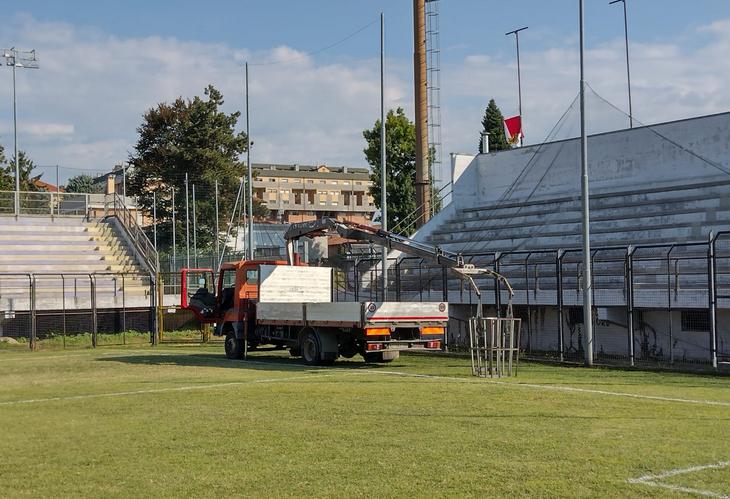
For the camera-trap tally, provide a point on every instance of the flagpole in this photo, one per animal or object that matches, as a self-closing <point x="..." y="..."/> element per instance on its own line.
<point x="519" y="76"/>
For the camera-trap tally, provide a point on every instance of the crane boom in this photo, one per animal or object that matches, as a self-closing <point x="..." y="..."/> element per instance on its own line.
<point x="360" y="232"/>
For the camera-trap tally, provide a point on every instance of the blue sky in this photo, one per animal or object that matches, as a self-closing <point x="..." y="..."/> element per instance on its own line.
<point x="103" y="63"/>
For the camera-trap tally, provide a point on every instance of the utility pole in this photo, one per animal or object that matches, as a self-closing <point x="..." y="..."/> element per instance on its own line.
<point x="519" y="78"/>
<point x="250" y="176"/>
<point x="585" y="198"/>
<point x="187" y="221"/>
<point x="18" y="59"/>
<point x="383" y="162"/>
<point x="423" y="177"/>
<point x="217" y="230"/>
<point x="174" y="229"/>
<point x="195" y="232"/>
<point x="628" y="66"/>
<point x="154" y="216"/>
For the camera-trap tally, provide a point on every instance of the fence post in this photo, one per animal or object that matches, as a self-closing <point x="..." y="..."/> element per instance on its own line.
<point x="92" y="289"/>
<point x="527" y="302"/>
<point x="63" y="304"/>
<point x="559" y="288"/>
<point x="124" y="310"/>
<point x="712" y="302"/>
<point x="497" y="288"/>
<point x="160" y="296"/>
<point x="445" y="284"/>
<point x="33" y="324"/>
<point x="397" y="280"/>
<point x="630" y="301"/>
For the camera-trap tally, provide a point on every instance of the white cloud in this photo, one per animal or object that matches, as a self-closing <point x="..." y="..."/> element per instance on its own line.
<point x="81" y="109"/>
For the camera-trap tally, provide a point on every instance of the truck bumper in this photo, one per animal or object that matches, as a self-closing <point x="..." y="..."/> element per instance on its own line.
<point x="400" y="345"/>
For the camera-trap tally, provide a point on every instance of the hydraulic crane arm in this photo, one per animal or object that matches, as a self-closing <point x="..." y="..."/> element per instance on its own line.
<point x="359" y="232"/>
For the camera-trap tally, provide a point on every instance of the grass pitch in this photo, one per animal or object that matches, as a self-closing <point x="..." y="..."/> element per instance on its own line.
<point x="186" y="422"/>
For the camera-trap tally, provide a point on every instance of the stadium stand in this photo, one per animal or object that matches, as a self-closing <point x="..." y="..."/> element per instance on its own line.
<point x="658" y="193"/>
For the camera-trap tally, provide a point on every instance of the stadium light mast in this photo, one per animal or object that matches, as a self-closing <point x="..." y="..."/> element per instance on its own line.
<point x="383" y="166"/>
<point x="250" y="178"/>
<point x="519" y="78"/>
<point x="628" y="66"/>
<point x="585" y="198"/>
<point x="26" y="59"/>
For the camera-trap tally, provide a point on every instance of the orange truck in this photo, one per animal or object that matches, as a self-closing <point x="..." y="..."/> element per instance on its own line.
<point x="289" y="305"/>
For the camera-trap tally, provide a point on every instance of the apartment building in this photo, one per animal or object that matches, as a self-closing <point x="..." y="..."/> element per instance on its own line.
<point x="297" y="193"/>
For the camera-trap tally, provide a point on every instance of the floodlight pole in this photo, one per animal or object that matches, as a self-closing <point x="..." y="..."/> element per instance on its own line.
<point x="383" y="161"/>
<point x="187" y="221"/>
<point x="174" y="228"/>
<point x="15" y="141"/>
<point x="28" y="61"/>
<point x="585" y="198"/>
<point x="250" y="177"/>
<point x="519" y="77"/>
<point x="628" y="66"/>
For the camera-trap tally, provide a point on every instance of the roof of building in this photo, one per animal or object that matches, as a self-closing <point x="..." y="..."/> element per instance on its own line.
<point x="320" y="171"/>
<point x="45" y="186"/>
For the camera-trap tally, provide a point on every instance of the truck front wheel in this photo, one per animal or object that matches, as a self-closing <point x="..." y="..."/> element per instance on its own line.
<point x="233" y="346"/>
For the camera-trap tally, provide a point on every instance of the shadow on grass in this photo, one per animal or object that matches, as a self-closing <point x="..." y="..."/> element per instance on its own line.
<point x="256" y="361"/>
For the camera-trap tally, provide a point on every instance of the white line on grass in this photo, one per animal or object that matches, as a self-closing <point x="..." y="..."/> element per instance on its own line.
<point x="163" y="390"/>
<point x="655" y="480"/>
<point x="560" y="388"/>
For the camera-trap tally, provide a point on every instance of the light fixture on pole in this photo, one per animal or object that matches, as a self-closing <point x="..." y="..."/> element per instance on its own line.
<point x="628" y="66"/>
<point x="519" y="77"/>
<point x="585" y="199"/>
<point x="25" y="59"/>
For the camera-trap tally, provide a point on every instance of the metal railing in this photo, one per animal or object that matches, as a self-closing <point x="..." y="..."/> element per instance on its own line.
<point x="128" y="221"/>
<point x="653" y="304"/>
<point x="44" y="203"/>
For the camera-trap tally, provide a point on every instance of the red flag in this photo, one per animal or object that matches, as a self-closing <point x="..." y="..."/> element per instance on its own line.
<point x="513" y="127"/>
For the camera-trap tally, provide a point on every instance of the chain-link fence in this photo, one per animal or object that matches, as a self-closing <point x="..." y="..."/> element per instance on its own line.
<point x="657" y="305"/>
<point x="77" y="310"/>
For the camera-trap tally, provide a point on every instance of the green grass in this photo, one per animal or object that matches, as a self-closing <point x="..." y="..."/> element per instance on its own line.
<point x="184" y="421"/>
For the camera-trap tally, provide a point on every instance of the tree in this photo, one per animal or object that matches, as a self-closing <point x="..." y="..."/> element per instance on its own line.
<point x="400" y="152"/>
<point x="493" y="124"/>
<point x="83" y="184"/>
<point x="7" y="172"/>
<point x="193" y="137"/>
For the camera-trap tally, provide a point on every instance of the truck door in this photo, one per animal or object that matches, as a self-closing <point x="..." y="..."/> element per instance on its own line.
<point x="250" y="287"/>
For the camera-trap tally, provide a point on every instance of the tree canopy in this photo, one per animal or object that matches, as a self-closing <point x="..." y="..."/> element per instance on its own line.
<point x="7" y="172"/>
<point x="84" y="184"/>
<point x="193" y="137"/>
<point x="400" y="155"/>
<point x="493" y="124"/>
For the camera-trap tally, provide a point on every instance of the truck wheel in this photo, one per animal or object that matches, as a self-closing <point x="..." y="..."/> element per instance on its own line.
<point x="233" y="346"/>
<point x="311" y="350"/>
<point x="380" y="357"/>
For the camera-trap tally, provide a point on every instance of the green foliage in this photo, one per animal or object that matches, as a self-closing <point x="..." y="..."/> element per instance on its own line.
<point x="83" y="184"/>
<point x="493" y="124"/>
<point x="400" y="152"/>
<point x="193" y="137"/>
<point x="7" y="172"/>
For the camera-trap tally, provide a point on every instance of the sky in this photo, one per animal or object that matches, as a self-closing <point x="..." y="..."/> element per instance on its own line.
<point x="314" y="70"/>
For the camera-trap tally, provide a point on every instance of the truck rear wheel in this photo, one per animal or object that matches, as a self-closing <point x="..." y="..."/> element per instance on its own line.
<point x="233" y="346"/>
<point x="311" y="349"/>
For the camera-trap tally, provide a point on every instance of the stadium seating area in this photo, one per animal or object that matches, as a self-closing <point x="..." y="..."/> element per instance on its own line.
<point x="74" y="247"/>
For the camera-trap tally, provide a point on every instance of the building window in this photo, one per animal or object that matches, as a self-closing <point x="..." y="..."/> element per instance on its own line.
<point x="358" y="183"/>
<point x="310" y="181"/>
<point x="346" y="182"/>
<point x="334" y="182"/>
<point x="284" y="180"/>
<point x="274" y="180"/>
<point x="696" y="321"/>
